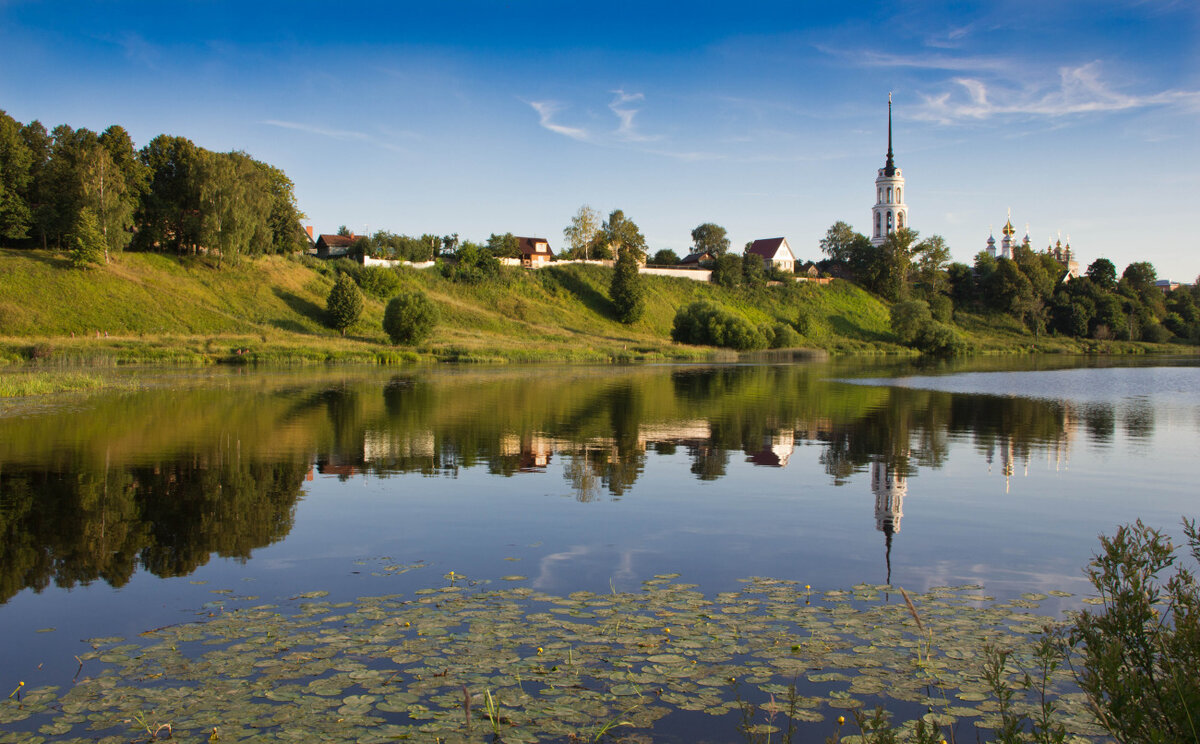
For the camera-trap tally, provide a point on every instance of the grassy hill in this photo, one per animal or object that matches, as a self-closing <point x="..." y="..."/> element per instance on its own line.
<point x="153" y="308"/>
<point x="150" y="307"/>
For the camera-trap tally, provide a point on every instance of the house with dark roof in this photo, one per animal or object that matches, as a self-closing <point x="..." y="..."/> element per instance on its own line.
<point x="535" y="252"/>
<point x="692" y="260"/>
<point x="774" y="253"/>
<point x="334" y="246"/>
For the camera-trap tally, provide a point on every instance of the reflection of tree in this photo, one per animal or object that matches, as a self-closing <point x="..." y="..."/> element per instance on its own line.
<point x="76" y="525"/>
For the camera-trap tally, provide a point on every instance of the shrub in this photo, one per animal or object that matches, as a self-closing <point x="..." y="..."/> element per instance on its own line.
<point x="784" y="337"/>
<point x="344" y="304"/>
<point x="378" y="281"/>
<point x="727" y="270"/>
<point x="703" y="323"/>
<point x="1156" y="333"/>
<point x="474" y="265"/>
<point x="941" y="307"/>
<point x="628" y="295"/>
<point x="940" y="339"/>
<point x="87" y="241"/>
<point x="1141" y="653"/>
<point x="665" y="257"/>
<point x="409" y="317"/>
<point x="908" y="318"/>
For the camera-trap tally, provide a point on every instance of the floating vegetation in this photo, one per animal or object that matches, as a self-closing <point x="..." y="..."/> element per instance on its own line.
<point x="462" y="662"/>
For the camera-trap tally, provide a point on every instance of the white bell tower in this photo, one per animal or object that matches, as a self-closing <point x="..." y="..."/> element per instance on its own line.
<point x="890" y="213"/>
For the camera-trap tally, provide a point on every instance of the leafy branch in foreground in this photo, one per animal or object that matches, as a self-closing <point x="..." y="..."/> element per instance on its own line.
<point x="1141" y="653"/>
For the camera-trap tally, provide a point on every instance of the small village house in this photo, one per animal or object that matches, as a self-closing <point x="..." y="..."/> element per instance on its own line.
<point x="334" y="246"/>
<point x="535" y="252"/>
<point x="774" y="253"/>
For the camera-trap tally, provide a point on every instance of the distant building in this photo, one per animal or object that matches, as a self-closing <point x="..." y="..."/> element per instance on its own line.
<point x="697" y="259"/>
<point x="1166" y="285"/>
<point x="890" y="213"/>
<point x="1060" y="252"/>
<point x="774" y="253"/>
<point x="535" y="252"/>
<point x="334" y="246"/>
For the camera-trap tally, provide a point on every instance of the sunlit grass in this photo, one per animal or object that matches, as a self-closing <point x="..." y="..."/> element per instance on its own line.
<point x="48" y="383"/>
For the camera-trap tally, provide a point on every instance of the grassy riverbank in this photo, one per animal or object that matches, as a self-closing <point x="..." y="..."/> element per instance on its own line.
<point x="151" y="308"/>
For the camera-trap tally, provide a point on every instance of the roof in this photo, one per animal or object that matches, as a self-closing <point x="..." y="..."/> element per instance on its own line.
<point x="529" y="246"/>
<point x="767" y="247"/>
<point x="692" y="258"/>
<point x="337" y="241"/>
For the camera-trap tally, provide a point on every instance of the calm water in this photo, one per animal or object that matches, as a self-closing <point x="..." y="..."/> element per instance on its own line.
<point x="126" y="511"/>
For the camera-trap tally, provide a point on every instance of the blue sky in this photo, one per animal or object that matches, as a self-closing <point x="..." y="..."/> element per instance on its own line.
<point x="767" y="118"/>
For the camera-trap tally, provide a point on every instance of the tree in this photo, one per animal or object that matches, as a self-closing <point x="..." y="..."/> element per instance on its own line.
<point x="665" y="257"/>
<point x="933" y="256"/>
<point x="504" y="246"/>
<point x="908" y="318"/>
<point x="170" y="215"/>
<point x="710" y="238"/>
<point x="344" y="304"/>
<point x="753" y="272"/>
<point x="1140" y="275"/>
<point x="86" y="240"/>
<point x="16" y="162"/>
<point x="841" y="241"/>
<point x="1103" y="274"/>
<point x="626" y="288"/>
<point x="620" y="233"/>
<point x="581" y="233"/>
<point x="409" y="317"/>
<point x="727" y="271"/>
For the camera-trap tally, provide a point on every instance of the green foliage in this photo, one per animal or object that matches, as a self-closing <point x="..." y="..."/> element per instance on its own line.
<point x="841" y="242"/>
<point x="378" y="281"/>
<point x="710" y="238"/>
<point x="504" y="246"/>
<point x="908" y="318"/>
<point x="581" y="234"/>
<point x="1103" y="273"/>
<point x="16" y="162"/>
<point x="753" y="272"/>
<point x="410" y="317"/>
<point x="86" y="240"/>
<point x="626" y="291"/>
<point x="619" y="233"/>
<point x="704" y="323"/>
<point x="665" y="257"/>
<point x="727" y="271"/>
<point x="1141" y="653"/>
<point x="344" y="304"/>
<point x="783" y="336"/>
<point x="473" y="265"/>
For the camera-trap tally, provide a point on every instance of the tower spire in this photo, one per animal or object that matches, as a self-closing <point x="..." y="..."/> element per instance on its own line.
<point x="889" y="168"/>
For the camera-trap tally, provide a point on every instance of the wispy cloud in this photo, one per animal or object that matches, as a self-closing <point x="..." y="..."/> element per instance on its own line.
<point x="546" y="111"/>
<point x="625" y="131"/>
<point x="343" y="135"/>
<point x="625" y="114"/>
<point x="920" y="61"/>
<point x="1078" y="90"/>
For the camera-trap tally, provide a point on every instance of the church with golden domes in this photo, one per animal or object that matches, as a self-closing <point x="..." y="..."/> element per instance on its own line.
<point x="1061" y="253"/>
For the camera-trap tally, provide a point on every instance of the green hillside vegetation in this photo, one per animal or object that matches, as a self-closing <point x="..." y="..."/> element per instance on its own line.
<point x="154" y="307"/>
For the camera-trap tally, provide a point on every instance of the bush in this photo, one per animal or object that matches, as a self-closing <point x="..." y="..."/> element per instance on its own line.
<point x="409" y="317"/>
<point x="87" y="241"/>
<point x="628" y="295"/>
<point x="908" y="318"/>
<point x="1155" y="333"/>
<point x="703" y="323"/>
<point x="344" y="304"/>
<point x="784" y="337"/>
<point x="378" y="281"/>
<point x="1141" y="653"/>
<point x="940" y="339"/>
<point x="941" y="307"/>
<point x="727" y="271"/>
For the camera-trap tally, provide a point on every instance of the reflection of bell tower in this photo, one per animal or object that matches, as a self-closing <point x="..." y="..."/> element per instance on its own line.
<point x="889" y="486"/>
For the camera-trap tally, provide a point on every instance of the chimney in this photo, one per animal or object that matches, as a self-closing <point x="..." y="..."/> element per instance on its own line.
<point x="308" y="229"/>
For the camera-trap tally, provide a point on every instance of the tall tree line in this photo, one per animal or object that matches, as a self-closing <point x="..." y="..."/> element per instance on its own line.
<point x="172" y="195"/>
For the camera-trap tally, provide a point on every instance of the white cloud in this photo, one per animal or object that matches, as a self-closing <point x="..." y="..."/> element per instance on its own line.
<point x="626" y="130"/>
<point x="1078" y="90"/>
<point x="546" y="111"/>
<point x="344" y="135"/>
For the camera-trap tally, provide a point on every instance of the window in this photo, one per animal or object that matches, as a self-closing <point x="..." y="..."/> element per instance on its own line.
<point x="898" y="199"/>
<point x="879" y="196"/>
<point x="877" y="224"/>
<point x="889" y="222"/>
<point x="889" y="194"/>
<point x="899" y="218"/>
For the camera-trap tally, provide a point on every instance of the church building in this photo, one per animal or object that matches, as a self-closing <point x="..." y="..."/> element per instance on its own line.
<point x="890" y="213"/>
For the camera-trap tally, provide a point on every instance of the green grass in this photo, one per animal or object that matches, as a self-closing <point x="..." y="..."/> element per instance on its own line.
<point x="17" y="385"/>
<point x="152" y="308"/>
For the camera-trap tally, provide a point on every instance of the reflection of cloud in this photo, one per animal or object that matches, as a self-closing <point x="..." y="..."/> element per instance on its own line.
<point x="343" y="135"/>
<point x="548" y="565"/>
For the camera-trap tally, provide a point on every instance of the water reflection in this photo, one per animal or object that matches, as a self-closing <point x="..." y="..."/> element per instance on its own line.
<point x="164" y="479"/>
